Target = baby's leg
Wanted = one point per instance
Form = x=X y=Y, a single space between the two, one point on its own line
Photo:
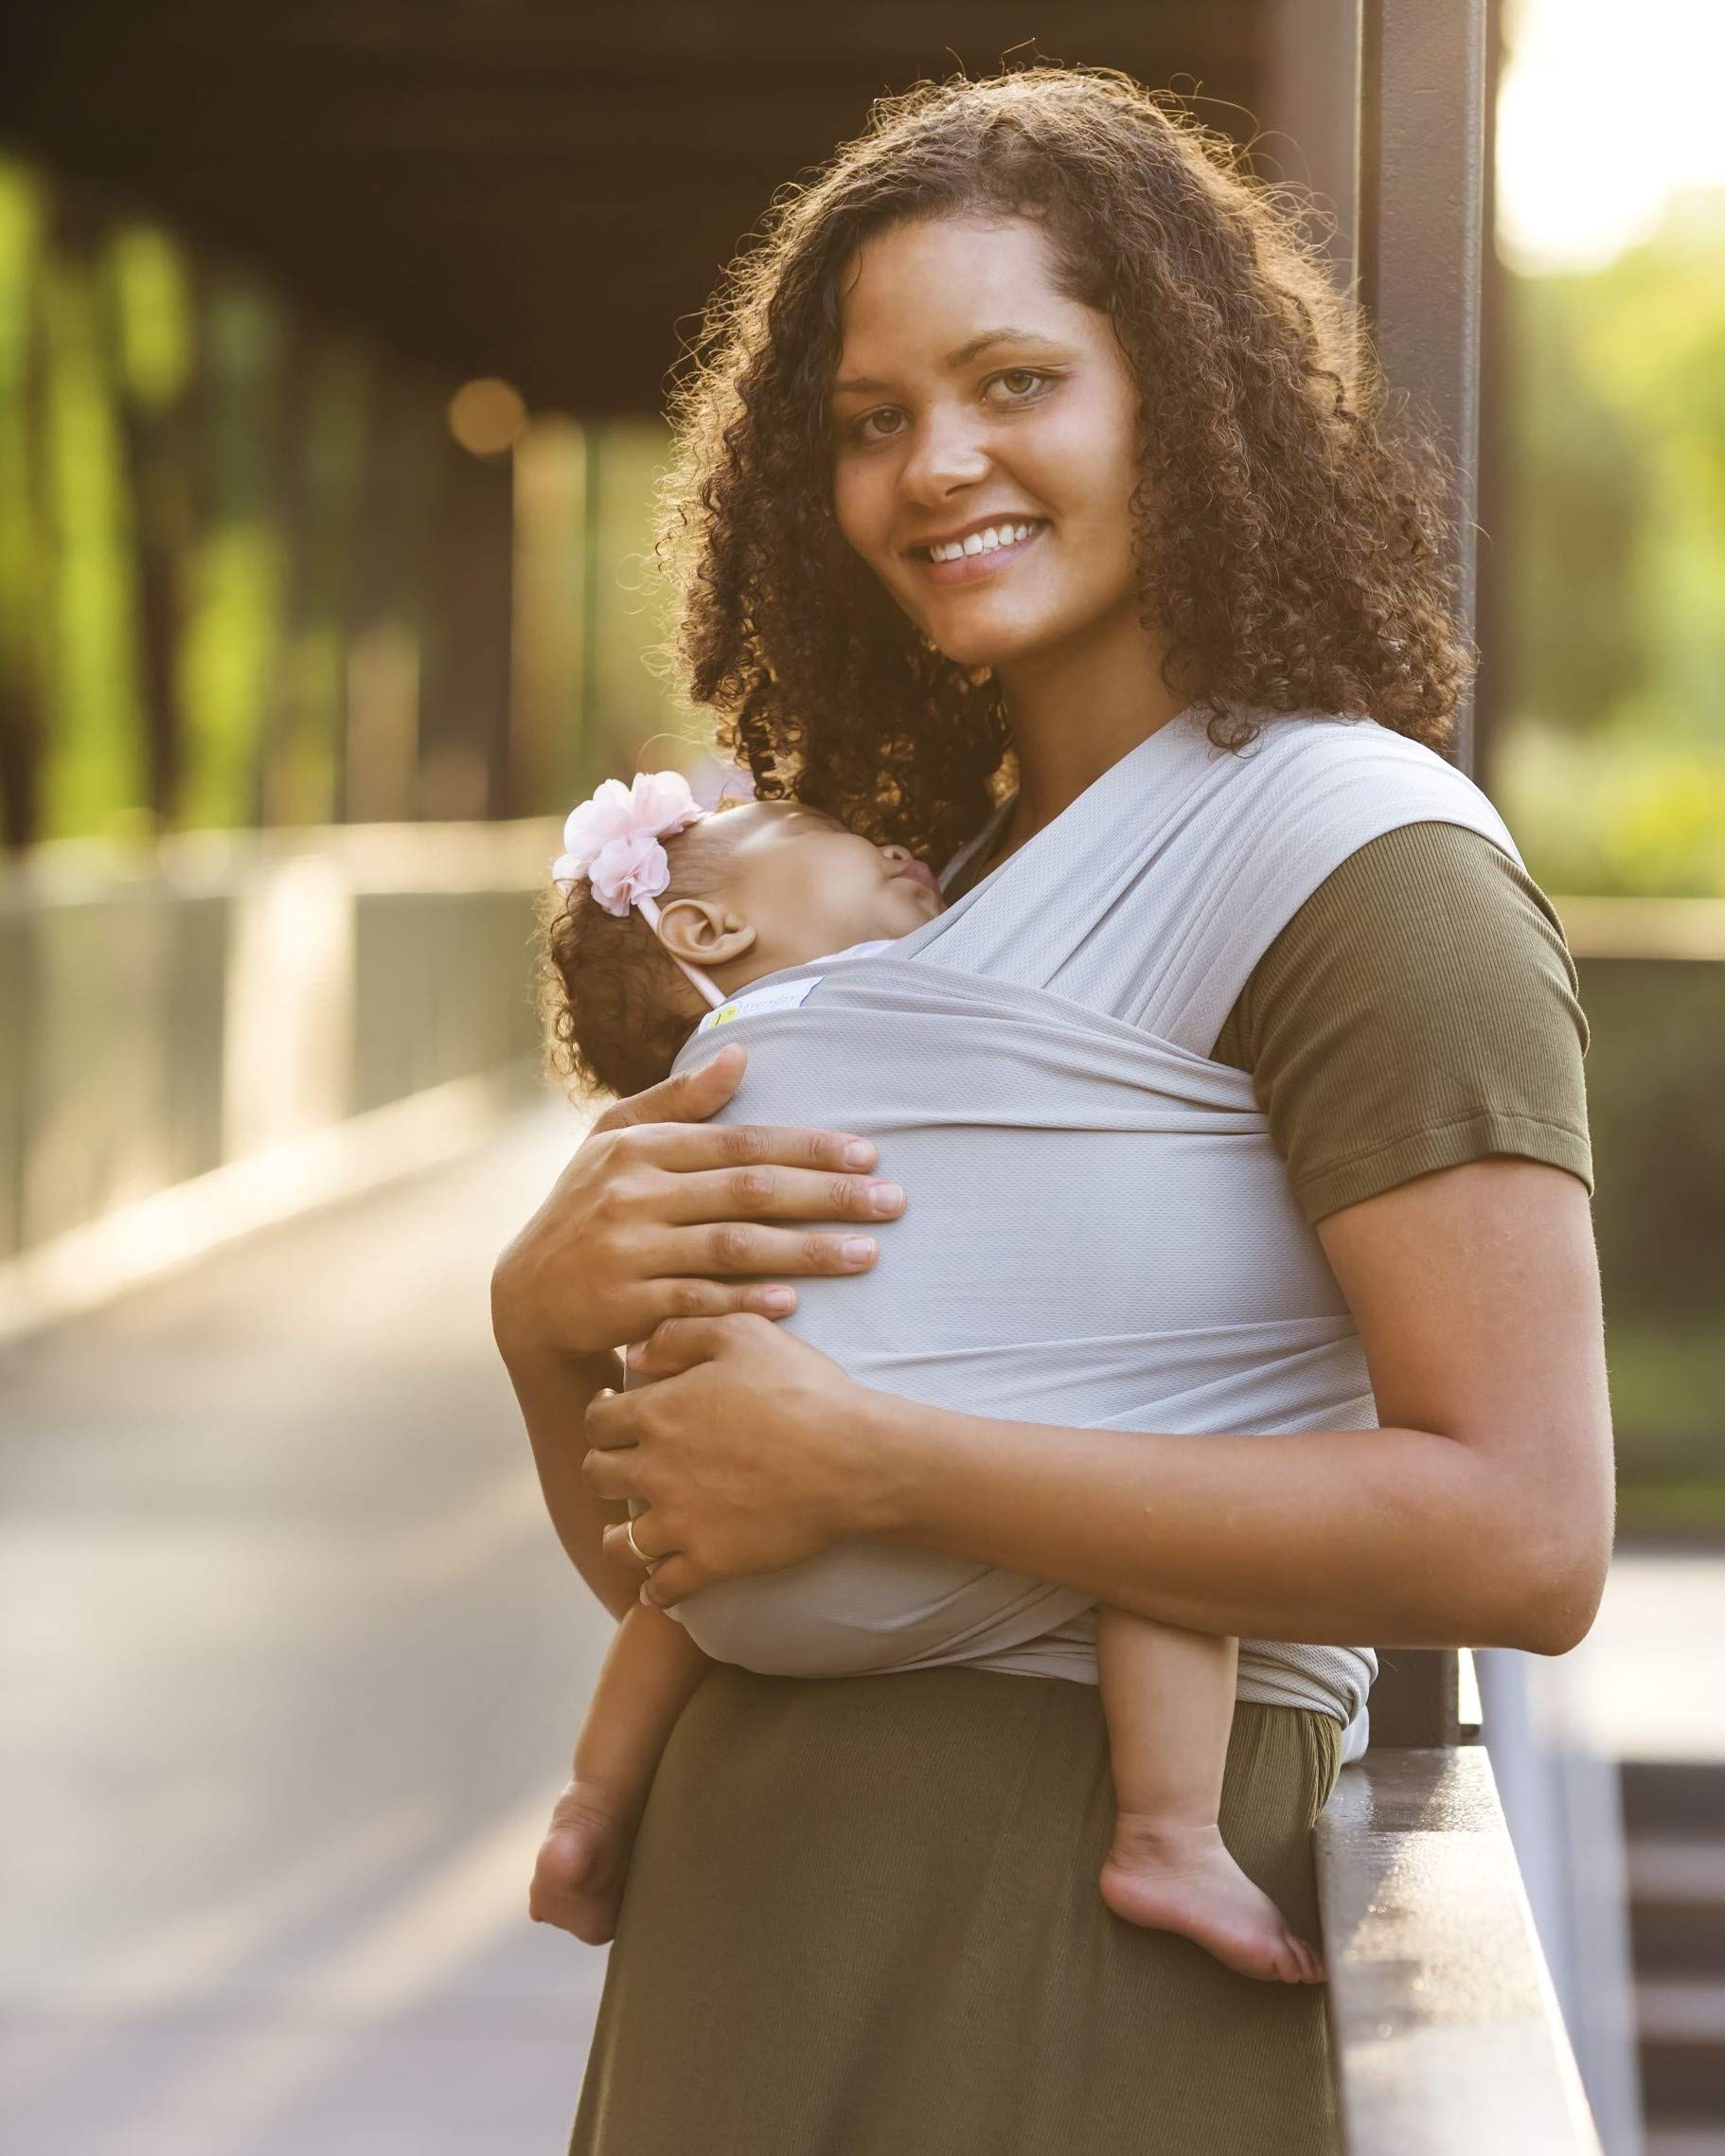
x=649 y=1675
x=1167 y=1695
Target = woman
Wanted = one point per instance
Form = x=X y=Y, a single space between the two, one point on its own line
x=861 y=1913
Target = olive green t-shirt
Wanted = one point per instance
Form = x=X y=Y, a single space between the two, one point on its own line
x=1419 y=1011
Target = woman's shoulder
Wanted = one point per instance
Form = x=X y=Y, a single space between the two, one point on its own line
x=1337 y=780
x=1419 y=1009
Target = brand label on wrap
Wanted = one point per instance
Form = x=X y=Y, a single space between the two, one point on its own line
x=782 y=995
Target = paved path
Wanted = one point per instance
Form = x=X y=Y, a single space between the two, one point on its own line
x=291 y=1664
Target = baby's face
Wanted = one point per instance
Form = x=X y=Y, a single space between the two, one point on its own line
x=808 y=886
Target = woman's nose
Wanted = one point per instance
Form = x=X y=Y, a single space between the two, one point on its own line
x=947 y=452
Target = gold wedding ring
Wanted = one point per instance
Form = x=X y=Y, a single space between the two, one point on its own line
x=630 y=1532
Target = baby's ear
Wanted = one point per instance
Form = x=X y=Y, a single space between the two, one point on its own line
x=703 y=933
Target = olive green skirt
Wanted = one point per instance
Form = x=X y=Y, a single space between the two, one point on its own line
x=862 y=1919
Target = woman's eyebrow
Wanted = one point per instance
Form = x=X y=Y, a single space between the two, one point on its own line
x=866 y=385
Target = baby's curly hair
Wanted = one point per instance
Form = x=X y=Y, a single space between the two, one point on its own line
x=1293 y=547
x=616 y=1007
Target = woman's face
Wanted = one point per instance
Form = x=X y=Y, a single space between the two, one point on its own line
x=970 y=397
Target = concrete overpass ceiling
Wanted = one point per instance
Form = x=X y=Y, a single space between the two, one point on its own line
x=516 y=186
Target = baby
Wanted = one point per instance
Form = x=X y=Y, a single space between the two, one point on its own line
x=729 y=897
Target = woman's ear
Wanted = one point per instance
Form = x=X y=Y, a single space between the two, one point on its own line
x=703 y=933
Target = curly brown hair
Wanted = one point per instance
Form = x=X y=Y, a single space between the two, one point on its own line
x=1292 y=542
x=615 y=1006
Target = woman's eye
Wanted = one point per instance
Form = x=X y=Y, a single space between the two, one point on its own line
x=1023 y=385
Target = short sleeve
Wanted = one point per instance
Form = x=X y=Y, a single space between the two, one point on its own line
x=1419 y=1012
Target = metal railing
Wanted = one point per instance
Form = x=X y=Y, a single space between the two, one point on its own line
x=225 y=1001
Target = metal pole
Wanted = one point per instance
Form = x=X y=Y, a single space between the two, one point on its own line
x=1421 y=186
x=1422 y=182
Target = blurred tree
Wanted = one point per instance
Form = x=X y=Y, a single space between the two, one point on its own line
x=153 y=309
x=234 y=604
x=1581 y=497
x=92 y=775
x=1612 y=766
x=25 y=656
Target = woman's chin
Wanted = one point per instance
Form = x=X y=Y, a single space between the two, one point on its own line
x=990 y=644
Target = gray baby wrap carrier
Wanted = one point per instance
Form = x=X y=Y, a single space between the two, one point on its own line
x=1098 y=1231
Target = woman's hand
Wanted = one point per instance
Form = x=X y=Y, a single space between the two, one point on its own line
x=748 y=1449
x=653 y=1207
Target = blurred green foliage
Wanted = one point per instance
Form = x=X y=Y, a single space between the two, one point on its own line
x=240 y=570
x=1611 y=769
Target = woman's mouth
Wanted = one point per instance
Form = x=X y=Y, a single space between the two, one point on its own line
x=980 y=553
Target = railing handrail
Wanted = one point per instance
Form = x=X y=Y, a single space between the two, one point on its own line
x=368 y=858
x=1445 y=2026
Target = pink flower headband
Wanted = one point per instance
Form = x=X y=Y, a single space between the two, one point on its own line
x=613 y=838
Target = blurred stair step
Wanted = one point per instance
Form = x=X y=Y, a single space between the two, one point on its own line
x=1667 y=1868
x=1681 y=2025
x=1677 y=1797
x=1677 y=1904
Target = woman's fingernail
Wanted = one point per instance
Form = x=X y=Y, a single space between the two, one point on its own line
x=779 y=1298
x=859 y=1153
x=635 y=1351
x=885 y=1196
x=857 y=1250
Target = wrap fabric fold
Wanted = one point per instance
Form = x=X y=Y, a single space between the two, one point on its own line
x=1099 y=1232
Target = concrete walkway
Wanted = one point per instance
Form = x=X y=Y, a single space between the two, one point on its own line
x=292 y=1665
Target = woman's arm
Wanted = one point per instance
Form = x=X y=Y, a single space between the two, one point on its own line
x=655 y=1214
x=554 y=1393
x=1479 y=1514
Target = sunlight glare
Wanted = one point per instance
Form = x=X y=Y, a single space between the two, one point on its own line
x=1603 y=117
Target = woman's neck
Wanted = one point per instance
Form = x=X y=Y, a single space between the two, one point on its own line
x=1073 y=715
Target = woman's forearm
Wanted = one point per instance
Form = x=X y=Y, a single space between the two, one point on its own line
x=554 y=1392
x=1393 y=1536
x=1480 y=1514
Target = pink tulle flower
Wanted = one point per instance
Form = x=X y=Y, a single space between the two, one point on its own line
x=614 y=837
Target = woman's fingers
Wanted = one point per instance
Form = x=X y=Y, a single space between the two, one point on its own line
x=769 y=1191
x=690 y=1096
x=678 y=1344
x=693 y=1297
x=729 y=1247
x=683 y=1147
x=615 y=1543
x=670 y=1580
x=612 y=1471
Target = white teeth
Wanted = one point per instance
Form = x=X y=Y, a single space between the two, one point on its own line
x=988 y=541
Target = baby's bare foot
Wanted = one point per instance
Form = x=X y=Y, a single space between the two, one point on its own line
x=583 y=1860
x=1181 y=1878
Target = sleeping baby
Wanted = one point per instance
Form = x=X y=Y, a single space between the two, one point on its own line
x=749 y=913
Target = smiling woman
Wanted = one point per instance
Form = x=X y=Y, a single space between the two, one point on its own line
x=980 y=315
x=989 y=507
x=1008 y=598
